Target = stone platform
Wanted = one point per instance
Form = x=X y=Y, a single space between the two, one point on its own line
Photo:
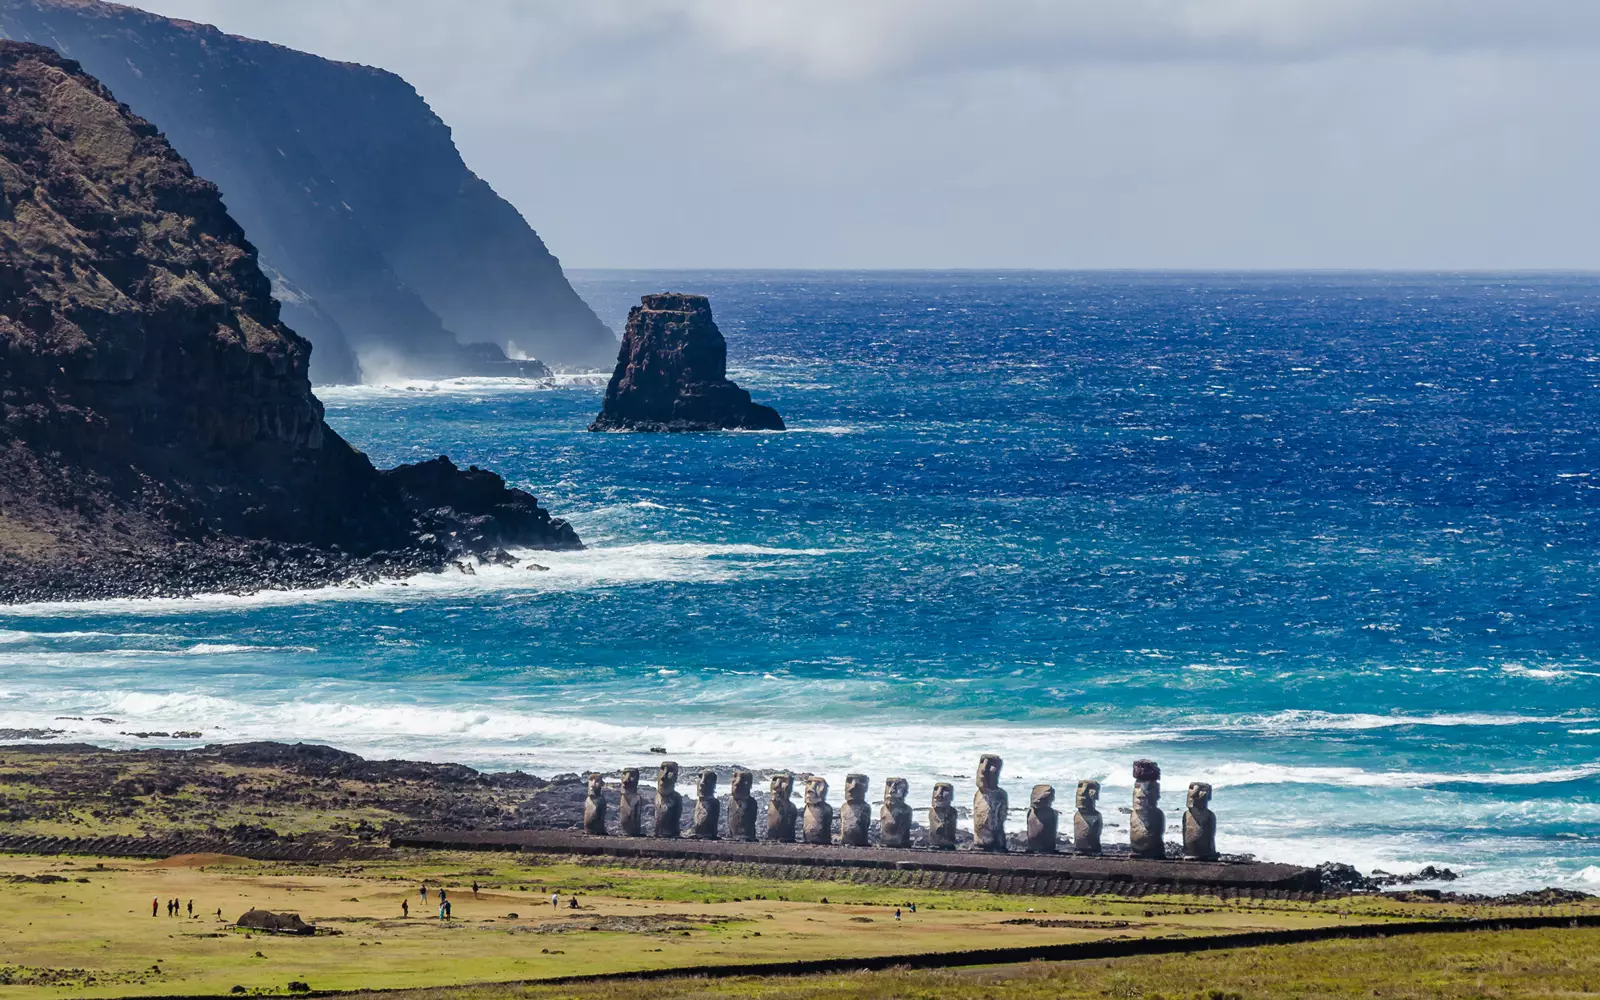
x=1044 y=874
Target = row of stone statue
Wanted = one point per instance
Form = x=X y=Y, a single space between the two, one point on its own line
x=1146 y=828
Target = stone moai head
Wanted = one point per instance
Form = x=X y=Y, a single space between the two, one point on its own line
x=1044 y=796
x=1088 y=795
x=597 y=786
x=740 y=786
x=944 y=793
x=989 y=771
x=816 y=791
x=1199 y=795
x=1146 y=794
x=895 y=790
x=707 y=785
x=1146 y=770
x=630 y=779
x=855 y=787
x=667 y=776
x=782 y=787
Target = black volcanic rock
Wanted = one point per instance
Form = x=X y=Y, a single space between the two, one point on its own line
x=383 y=247
x=672 y=374
x=158 y=433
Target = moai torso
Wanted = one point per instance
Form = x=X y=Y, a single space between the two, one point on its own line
x=894 y=818
x=707 y=810
x=1042 y=820
x=1086 y=821
x=855 y=819
x=989 y=807
x=1147 y=826
x=630 y=808
x=594 y=807
x=780 y=810
x=1200 y=825
x=942 y=817
x=741 y=807
x=818 y=827
x=669 y=804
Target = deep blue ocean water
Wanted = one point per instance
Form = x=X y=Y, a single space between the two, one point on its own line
x=1327 y=541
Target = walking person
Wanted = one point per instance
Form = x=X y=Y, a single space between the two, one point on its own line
x=191 y=908
x=154 y=905
x=897 y=914
x=424 y=892
x=405 y=907
x=555 y=900
x=474 y=888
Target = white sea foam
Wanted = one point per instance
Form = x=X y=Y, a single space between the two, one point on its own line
x=599 y=566
x=1251 y=773
x=1296 y=720
x=472 y=387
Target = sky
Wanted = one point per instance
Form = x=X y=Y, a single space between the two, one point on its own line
x=1211 y=134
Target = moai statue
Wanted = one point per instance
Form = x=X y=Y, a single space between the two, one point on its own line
x=741 y=807
x=1086 y=822
x=707 y=810
x=818 y=827
x=1200 y=824
x=989 y=807
x=855 y=818
x=594 y=807
x=630 y=808
x=894 y=818
x=1042 y=820
x=669 y=804
x=781 y=813
x=1147 y=827
x=942 y=817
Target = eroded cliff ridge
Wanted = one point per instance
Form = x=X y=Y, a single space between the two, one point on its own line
x=158 y=432
x=388 y=253
x=672 y=374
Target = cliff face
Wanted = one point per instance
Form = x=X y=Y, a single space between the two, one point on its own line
x=672 y=374
x=386 y=250
x=158 y=432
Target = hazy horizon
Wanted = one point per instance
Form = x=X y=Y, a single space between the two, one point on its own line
x=1159 y=135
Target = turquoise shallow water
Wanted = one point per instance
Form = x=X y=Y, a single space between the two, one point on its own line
x=1327 y=541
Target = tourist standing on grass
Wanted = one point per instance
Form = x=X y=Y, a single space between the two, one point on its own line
x=555 y=900
x=155 y=905
x=424 y=892
x=191 y=908
x=405 y=907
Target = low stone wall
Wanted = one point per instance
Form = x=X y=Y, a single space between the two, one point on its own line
x=166 y=847
x=996 y=872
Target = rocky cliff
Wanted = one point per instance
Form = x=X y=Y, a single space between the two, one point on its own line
x=158 y=432
x=672 y=374
x=387 y=252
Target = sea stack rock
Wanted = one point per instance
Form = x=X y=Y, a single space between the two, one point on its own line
x=672 y=374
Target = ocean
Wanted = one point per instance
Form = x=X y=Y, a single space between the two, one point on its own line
x=1327 y=541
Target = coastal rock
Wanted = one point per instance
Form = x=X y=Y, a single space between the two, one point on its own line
x=855 y=817
x=387 y=252
x=741 y=807
x=1200 y=824
x=894 y=816
x=669 y=803
x=158 y=433
x=781 y=813
x=818 y=827
x=707 y=810
x=989 y=806
x=630 y=807
x=942 y=817
x=1086 y=820
x=1042 y=820
x=672 y=374
x=594 y=807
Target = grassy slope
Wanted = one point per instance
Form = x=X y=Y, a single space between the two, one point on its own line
x=96 y=937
